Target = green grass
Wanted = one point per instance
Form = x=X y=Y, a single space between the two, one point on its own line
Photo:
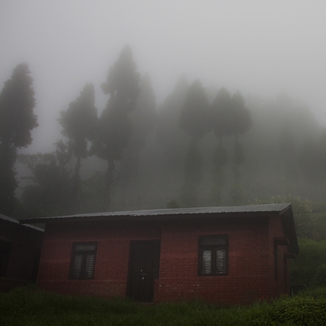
x=28 y=306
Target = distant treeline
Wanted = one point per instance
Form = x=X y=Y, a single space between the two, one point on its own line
x=199 y=148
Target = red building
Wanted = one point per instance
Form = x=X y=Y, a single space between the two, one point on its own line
x=20 y=247
x=229 y=255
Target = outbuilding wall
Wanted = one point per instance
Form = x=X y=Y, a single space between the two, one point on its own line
x=250 y=272
x=23 y=256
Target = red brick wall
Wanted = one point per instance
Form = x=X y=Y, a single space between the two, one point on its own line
x=248 y=277
x=112 y=257
x=251 y=263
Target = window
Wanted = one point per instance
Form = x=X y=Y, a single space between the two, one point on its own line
x=213 y=255
x=83 y=261
x=5 y=249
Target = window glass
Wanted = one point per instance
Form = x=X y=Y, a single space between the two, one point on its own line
x=207 y=262
x=83 y=261
x=90 y=259
x=213 y=255
x=220 y=261
x=78 y=266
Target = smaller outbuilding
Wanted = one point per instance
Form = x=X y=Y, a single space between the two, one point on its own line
x=20 y=247
x=226 y=255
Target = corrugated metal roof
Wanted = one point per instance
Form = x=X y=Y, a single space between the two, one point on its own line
x=174 y=211
x=9 y=219
x=13 y=220
x=186 y=213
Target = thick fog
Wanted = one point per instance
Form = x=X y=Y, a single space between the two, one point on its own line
x=221 y=103
x=262 y=48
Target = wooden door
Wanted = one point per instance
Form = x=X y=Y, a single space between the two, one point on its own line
x=143 y=269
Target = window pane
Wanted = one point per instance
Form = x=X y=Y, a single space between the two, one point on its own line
x=86 y=247
x=213 y=241
x=207 y=262
x=78 y=266
x=220 y=261
x=90 y=266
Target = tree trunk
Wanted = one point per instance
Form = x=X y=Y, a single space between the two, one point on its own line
x=75 y=189
x=106 y=199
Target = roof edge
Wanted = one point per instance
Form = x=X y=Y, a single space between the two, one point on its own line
x=194 y=211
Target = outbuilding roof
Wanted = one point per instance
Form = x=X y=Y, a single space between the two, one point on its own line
x=13 y=220
x=171 y=212
x=284 y=210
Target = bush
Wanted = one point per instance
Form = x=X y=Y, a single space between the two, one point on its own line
x=299 y=311
x=32 y=307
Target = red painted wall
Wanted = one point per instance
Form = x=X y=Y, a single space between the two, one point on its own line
x=251 y=258
x=279 y=285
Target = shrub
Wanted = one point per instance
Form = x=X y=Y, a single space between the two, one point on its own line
x=299 y=311
x=26 y=307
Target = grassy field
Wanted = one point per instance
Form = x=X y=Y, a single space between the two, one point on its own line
x=27 y=306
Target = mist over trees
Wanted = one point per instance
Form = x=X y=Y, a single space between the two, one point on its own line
x=194 y=120
x=50 y=183
x=114 y=127
x=219 y=119
x=143 y=122
x=197 y=148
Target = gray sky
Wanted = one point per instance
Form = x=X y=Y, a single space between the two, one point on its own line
x=260 y=47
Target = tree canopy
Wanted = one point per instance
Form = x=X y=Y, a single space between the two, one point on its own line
x=17 y=102
x=241 y=118
x=194 y=113
x=221 y=114
x=122 y=80
x=79 y=122
x=114 y=126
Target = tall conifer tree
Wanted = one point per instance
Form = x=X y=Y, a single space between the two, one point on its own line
x=16 y=122
x=221 y=125
x=194 y=120
x=114 y=126
x=79 y=122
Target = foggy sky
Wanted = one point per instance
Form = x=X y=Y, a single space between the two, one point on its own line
x=261 y=48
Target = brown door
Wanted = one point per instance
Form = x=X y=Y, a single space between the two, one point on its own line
x=143 y=269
